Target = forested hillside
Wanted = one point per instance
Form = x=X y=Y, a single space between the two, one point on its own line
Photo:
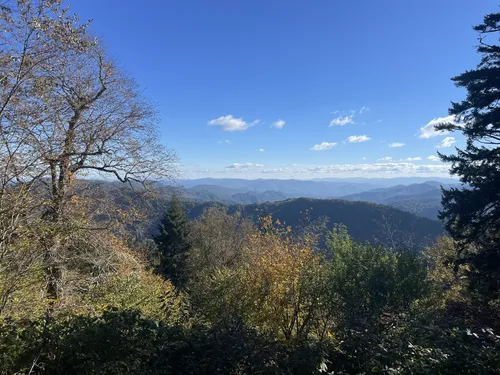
x=423 y=199
x=366 y=221
x=108 y=267
x=215 y=193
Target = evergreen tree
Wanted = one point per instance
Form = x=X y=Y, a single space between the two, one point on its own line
x=173 y=243
x=472 y=214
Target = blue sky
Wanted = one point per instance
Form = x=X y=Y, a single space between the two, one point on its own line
x=296 y=89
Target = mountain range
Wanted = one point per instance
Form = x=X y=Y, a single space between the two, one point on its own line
x=423 y=199
x=415 y=195
x=379 y=215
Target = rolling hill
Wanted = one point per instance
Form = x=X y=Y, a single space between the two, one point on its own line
x=381 y=195
x=317 y=188
x=289 y=188
x=423 y=199
x=365 y=221
x=413 y=194
x=204 y=193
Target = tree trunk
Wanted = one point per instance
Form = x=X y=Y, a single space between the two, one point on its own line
x=52 y=246
x=60 y=177
x=53 y=272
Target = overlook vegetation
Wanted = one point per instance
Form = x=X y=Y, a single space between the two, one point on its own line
x=101 y=277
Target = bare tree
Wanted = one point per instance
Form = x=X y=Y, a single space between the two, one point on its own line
x=27 y=43
x=66 y=112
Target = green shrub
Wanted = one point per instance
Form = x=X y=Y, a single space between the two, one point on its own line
x=124 y=342
x=407 y=344
x=366 y=280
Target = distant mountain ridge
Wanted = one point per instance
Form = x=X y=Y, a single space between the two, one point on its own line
x=318 y=188
x=379 y=195
x=289 y=188
x=222 y=194
x=422 y=199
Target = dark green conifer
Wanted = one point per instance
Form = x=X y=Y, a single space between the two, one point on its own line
x=472 y=214
x=173 y=242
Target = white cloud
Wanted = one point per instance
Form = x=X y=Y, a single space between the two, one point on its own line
x=305 y=172
x=341 y=121
x=378 y=121
x=349 y=119
x=364 y=158
x=397 y=144
x=324 y=146
x=391 y=168
x=358 y=138
x=414 y=159
x=447 y=142
x=239 y=166
x=230 y=124
x=433 y=158
x=274 y=170
x=387 y=158
x=429 y=130
x=261 y=150
x=278 y=124
x=227 y=142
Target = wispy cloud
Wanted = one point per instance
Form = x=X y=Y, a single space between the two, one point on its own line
x=429 y=130
x=261 y=150
x=301 y=171
x=357 y=138
x=275 y=171
x=342 y=120
x=417 y=158
x=347 y=119
x=227 y=142
x=278 y=124
x=433 y=158
x=324 y=146
x=239 y=166
x=230 y=124
x=390 y=168
x=397 y=144
x=387 y=158
x=447 y=142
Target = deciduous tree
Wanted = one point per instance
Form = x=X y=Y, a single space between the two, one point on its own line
x=67 y=111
